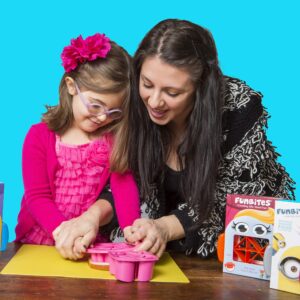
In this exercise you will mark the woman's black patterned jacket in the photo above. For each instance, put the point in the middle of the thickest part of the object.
(249, 166)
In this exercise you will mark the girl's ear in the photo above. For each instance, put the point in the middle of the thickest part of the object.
(70, 85)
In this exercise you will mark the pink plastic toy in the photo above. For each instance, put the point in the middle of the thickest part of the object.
(129, 265)
(122, 262)
(99, 254)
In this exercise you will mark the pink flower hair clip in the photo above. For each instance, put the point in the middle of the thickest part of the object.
(83, 50)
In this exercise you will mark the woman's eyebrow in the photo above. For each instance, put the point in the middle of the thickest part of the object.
(145, 78)
(180, 90)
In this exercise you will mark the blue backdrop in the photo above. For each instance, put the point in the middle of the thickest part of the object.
(258, 41)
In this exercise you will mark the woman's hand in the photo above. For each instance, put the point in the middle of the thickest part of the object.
(72, 237)
(148, 234)
(153, 235)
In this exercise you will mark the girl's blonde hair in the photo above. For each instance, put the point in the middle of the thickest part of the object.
(112, 74)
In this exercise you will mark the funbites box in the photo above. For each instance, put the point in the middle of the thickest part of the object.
(1, 209)
(285, 272)
(248, 233)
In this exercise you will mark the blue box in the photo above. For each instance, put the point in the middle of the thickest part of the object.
(3, 226)
(1, 199)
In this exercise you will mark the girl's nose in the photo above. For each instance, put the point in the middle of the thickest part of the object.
(102, 118)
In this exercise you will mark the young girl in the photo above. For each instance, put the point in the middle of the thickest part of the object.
(66, 156)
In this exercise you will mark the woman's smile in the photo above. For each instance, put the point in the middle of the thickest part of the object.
(157, 113)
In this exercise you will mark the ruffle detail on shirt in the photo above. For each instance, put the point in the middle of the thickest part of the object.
(79, 174)
(37, 236)
(77, 181)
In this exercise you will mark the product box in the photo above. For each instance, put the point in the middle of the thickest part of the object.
(1, 208)
(3, 226)
(248, 233)
(285, 272)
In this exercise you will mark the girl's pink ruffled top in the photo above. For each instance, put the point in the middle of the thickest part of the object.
(76, 181)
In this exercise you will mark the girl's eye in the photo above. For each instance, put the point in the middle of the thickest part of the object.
(95, 106)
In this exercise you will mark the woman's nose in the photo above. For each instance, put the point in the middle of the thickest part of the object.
(155, 100)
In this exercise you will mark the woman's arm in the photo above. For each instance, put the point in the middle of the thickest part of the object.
(249, 166)
(200, 240)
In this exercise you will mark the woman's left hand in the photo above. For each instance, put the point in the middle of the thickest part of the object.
(153, 235)
(74, 236)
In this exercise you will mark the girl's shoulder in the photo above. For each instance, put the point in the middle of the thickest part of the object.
(40, 130)
(42, 126)
(238, 95)
(108, 138)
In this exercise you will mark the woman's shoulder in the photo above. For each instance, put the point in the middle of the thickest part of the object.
(238, 95)
(242, 109)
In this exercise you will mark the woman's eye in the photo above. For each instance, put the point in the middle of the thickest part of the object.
(172, 94)
(147, 86)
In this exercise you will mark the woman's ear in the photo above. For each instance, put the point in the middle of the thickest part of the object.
(71, 85)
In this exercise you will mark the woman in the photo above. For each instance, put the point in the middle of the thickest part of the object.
(194, 136)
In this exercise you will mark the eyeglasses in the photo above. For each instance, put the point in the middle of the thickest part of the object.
(97, 109)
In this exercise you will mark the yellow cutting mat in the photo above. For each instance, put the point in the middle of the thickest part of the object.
(36, 260)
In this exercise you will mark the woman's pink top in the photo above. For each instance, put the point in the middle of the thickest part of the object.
(61, 181)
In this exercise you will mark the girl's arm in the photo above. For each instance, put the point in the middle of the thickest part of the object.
(126, 198)
(74, 236)
(38, 197)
